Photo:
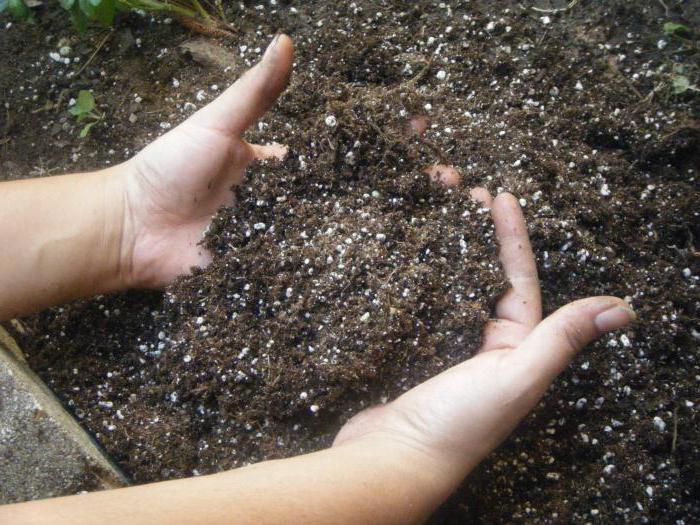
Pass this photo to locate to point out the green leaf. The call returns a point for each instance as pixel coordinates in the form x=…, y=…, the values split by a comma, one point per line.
x=674, y=29
x=101, y=11
x=104, y=12
x=83, y=105
x=67, y=4
x=86, y=100
x=19, y=9
x=681, y=84
x=678, y=68
x=86, y=129
x=87, y=8
x=3, y=5
x=78, y=18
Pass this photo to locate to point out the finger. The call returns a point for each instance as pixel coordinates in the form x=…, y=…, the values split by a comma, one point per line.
x=502, y=334
x=555, y=341
x=522, y=302
x=253, y=94
x=482, y=196
x=417, y=125
x=447, y=175
x=273, y=151
x=498, y=333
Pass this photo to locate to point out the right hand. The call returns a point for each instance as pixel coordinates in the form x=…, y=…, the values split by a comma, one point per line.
x=462, y=414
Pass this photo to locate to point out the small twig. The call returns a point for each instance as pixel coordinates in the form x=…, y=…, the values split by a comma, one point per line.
x=94, y=53
x=649, y=97
x=414, y=80
x=422, y=73
x=436, y=149
x=210, y=27
x=378, y=130
x=220, y=8
x=629, y=84
x=675, y=430
x=6, y=131
x=653, y=92
x=613, y=67
x=664, y=6
x=19, y=326
x=202, y=12
x=52, y=105
x=558, y=10
x=677, y=130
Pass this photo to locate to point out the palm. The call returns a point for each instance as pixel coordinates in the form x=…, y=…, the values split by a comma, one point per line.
x=178, y=182
x=189, y=170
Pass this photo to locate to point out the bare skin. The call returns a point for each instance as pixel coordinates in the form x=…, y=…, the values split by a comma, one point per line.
x=140, y=222
x=138, y=225
x=178, y=182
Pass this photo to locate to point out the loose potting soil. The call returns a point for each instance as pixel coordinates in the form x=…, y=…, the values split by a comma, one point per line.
x=343, y=275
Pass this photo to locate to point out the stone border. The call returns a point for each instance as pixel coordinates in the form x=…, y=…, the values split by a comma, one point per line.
x=44, y=452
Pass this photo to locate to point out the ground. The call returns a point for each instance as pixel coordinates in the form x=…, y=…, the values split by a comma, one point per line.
x=574, y=112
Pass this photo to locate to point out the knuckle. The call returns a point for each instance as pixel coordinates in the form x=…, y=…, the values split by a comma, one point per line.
x=574, y=337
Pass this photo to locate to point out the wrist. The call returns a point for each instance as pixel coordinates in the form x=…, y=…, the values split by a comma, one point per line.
x=118, y=227
x=418, y=477
x=382, y=430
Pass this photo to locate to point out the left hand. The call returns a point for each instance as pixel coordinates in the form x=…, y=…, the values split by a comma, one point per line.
x=176, y=184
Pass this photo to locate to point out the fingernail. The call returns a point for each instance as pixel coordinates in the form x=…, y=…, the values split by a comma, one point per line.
x=614, y=318
x=272, y=45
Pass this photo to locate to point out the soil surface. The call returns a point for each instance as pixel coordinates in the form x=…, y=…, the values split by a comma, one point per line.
x=344, y=276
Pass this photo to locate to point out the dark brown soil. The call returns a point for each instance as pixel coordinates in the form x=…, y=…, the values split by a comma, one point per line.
x=574, y=112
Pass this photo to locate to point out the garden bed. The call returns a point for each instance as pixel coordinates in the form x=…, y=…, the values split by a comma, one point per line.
x=578, y=113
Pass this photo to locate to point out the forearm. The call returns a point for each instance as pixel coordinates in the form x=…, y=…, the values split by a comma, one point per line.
x=364, y=482
x=61, y=240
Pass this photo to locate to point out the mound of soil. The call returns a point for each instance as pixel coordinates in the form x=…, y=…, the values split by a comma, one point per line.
x=343, y=276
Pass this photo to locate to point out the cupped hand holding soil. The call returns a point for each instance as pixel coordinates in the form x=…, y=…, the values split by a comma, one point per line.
x=605, y=169
x=423, y=443
x=461, y=415
x=454, y=419
x=176, y=184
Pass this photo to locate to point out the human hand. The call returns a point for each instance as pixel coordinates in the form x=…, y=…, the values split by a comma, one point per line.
x=176, y=184
x=458, y=417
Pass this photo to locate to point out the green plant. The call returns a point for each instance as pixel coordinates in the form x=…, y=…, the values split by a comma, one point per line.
x=680, y=83
x=204, y=13
x=682, y=70
x=17, y=8
x=675, y=29
x=84, y=111
x=82, y=11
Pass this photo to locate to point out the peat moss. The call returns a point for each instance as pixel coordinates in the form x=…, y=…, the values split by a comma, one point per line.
x=574, y=113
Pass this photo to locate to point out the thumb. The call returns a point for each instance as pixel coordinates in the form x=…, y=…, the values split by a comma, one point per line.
x=557, y=339
x=253, y=94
